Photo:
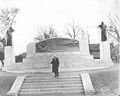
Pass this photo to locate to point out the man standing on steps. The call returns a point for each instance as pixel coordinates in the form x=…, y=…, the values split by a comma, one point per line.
x=55, y=65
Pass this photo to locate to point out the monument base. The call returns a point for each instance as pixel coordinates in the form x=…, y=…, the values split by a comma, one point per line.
x=84, y=49
x=66, y=59
x=9, y=56
x=105, y=52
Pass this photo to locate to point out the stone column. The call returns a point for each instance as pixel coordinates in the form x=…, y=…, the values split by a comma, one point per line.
x=30, y=49
x=84, y=48
x=105, y=51
x=30, y=53
x=9, y=56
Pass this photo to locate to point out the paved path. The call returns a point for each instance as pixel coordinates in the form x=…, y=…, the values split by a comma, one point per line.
x=112, y=68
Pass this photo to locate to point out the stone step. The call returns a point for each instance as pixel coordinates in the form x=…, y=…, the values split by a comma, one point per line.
x=43, y=78
x=52, y=83
x=74, y=94
x=60, y=74
x=68, y=84
x=53, y=93
x=62, y=81
x=51, y=89
x=24, y=86
x=53, y=76
x=52, y=80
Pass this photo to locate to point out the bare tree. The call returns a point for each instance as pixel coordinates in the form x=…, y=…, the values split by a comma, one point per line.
x=72, y=30
x=7, y=18
x=114, y=28
x=114, y=32
x=45, y=33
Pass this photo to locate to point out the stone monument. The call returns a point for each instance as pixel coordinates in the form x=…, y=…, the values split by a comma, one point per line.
x=69, y=51
x=105, y=52
x=9, y=56
x=84, y=45
x=104, y=45
x=84, y=48
x=9, y=49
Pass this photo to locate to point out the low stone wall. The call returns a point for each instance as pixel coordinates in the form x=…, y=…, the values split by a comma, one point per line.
x=66, y=59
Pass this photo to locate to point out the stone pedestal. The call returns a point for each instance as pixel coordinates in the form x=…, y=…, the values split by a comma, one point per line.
x=30, y=49
x=105, y=52
x=84, y=48
x=30, y=53
x=9, y=56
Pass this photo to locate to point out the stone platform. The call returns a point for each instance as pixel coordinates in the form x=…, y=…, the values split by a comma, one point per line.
x=66, y=59
x=73, y=56
x=85, y=64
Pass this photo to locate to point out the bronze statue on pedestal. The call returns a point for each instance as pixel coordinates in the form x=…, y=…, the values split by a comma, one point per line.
x=103, y=31
x=9, y=36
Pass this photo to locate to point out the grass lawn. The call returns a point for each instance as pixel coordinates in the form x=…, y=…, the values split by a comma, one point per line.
x=5, y=84
x=106, y=83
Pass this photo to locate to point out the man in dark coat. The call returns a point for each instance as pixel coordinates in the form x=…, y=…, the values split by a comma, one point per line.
x=55, y=65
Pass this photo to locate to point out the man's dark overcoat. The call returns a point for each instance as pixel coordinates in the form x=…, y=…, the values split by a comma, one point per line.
x=55, y=65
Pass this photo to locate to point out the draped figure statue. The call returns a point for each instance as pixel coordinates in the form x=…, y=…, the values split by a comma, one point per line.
x=103, y=31
x=9, y=36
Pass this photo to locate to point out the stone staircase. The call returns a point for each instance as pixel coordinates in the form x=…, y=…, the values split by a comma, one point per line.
x=44, y=84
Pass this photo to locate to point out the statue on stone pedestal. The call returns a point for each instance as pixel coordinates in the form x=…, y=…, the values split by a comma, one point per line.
x=9, y=36
x=103, y=31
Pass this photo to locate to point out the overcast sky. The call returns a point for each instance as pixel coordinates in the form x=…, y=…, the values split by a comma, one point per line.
x=35, y=13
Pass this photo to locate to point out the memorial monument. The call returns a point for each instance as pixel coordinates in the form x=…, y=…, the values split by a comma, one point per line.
x=9, y=50
x=7, y=20
x=73, y=56
x=69, y=52
x=104, y=45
